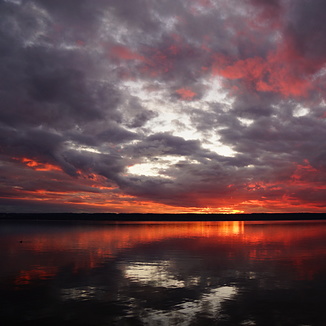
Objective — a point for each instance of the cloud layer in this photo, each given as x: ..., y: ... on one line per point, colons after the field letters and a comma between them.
x: 162, y: 106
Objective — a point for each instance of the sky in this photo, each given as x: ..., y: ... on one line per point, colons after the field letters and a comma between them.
x: 162, y: 106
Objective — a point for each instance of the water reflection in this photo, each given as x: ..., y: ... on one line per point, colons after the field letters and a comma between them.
x: 196, y: 273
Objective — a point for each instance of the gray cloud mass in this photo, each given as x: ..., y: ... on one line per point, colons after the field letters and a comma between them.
x: 162, y: 105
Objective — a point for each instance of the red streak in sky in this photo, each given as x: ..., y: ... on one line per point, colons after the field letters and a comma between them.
x: 124, y: 53
x: 185, y: 94
x: 38, y: 166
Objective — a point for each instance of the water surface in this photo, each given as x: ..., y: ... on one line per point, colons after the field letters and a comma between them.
x: 163, y: 273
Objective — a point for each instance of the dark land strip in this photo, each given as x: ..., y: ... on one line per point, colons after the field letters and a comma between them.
x: 137, y: 217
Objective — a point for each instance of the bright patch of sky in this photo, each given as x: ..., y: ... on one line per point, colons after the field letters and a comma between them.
x: 215, y: 92
x: 156, y: 168
x: 300, y: 111
x: 77, y: 147
x: 173, y: 117
x: 246, y: 122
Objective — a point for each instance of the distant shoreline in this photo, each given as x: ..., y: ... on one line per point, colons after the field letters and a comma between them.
x: 138, y: 217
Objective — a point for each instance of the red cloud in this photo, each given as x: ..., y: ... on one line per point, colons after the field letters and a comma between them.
x: 186, y: 94
x: 283, y: 71
x: 38, y: 166
x: 122, y: 52
x: 159, y: 62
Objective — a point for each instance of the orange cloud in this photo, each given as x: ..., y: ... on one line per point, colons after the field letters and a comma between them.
x: 38, y: 166
x: 246, y: 200
x: 92, y: 193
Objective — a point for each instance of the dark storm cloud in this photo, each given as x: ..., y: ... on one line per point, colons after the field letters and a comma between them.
x: 198, y: 171
x: 251, y: 107
x: 47, y: 96
x: 79, y: 11
x: 292, y: 136
x: 135, y: 14
x: 19, y: 178
x: 275, y: 153
x: 209, y: 179
x: 166, y: 144
x: 141, y: 118
x: 307, y: 27
x: 135, y: 115
x: 69, y: 97
x: 270, y: 8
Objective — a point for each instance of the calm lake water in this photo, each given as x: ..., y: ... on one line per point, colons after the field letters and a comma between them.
x: 163, y: 273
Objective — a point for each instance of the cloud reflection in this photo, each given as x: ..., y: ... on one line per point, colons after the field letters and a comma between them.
x: 154, y: 274
x: 176, y: 273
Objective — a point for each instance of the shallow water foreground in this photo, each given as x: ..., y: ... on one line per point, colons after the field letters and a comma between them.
x: 163, y: 273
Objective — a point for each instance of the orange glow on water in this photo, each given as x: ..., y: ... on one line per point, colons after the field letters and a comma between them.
x: 87, y: 247
x: 38, y: 273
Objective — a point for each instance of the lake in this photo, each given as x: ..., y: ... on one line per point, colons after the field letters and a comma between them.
x: 163, y: 273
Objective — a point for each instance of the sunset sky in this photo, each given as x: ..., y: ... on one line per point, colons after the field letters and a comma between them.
x: 163, y: 106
